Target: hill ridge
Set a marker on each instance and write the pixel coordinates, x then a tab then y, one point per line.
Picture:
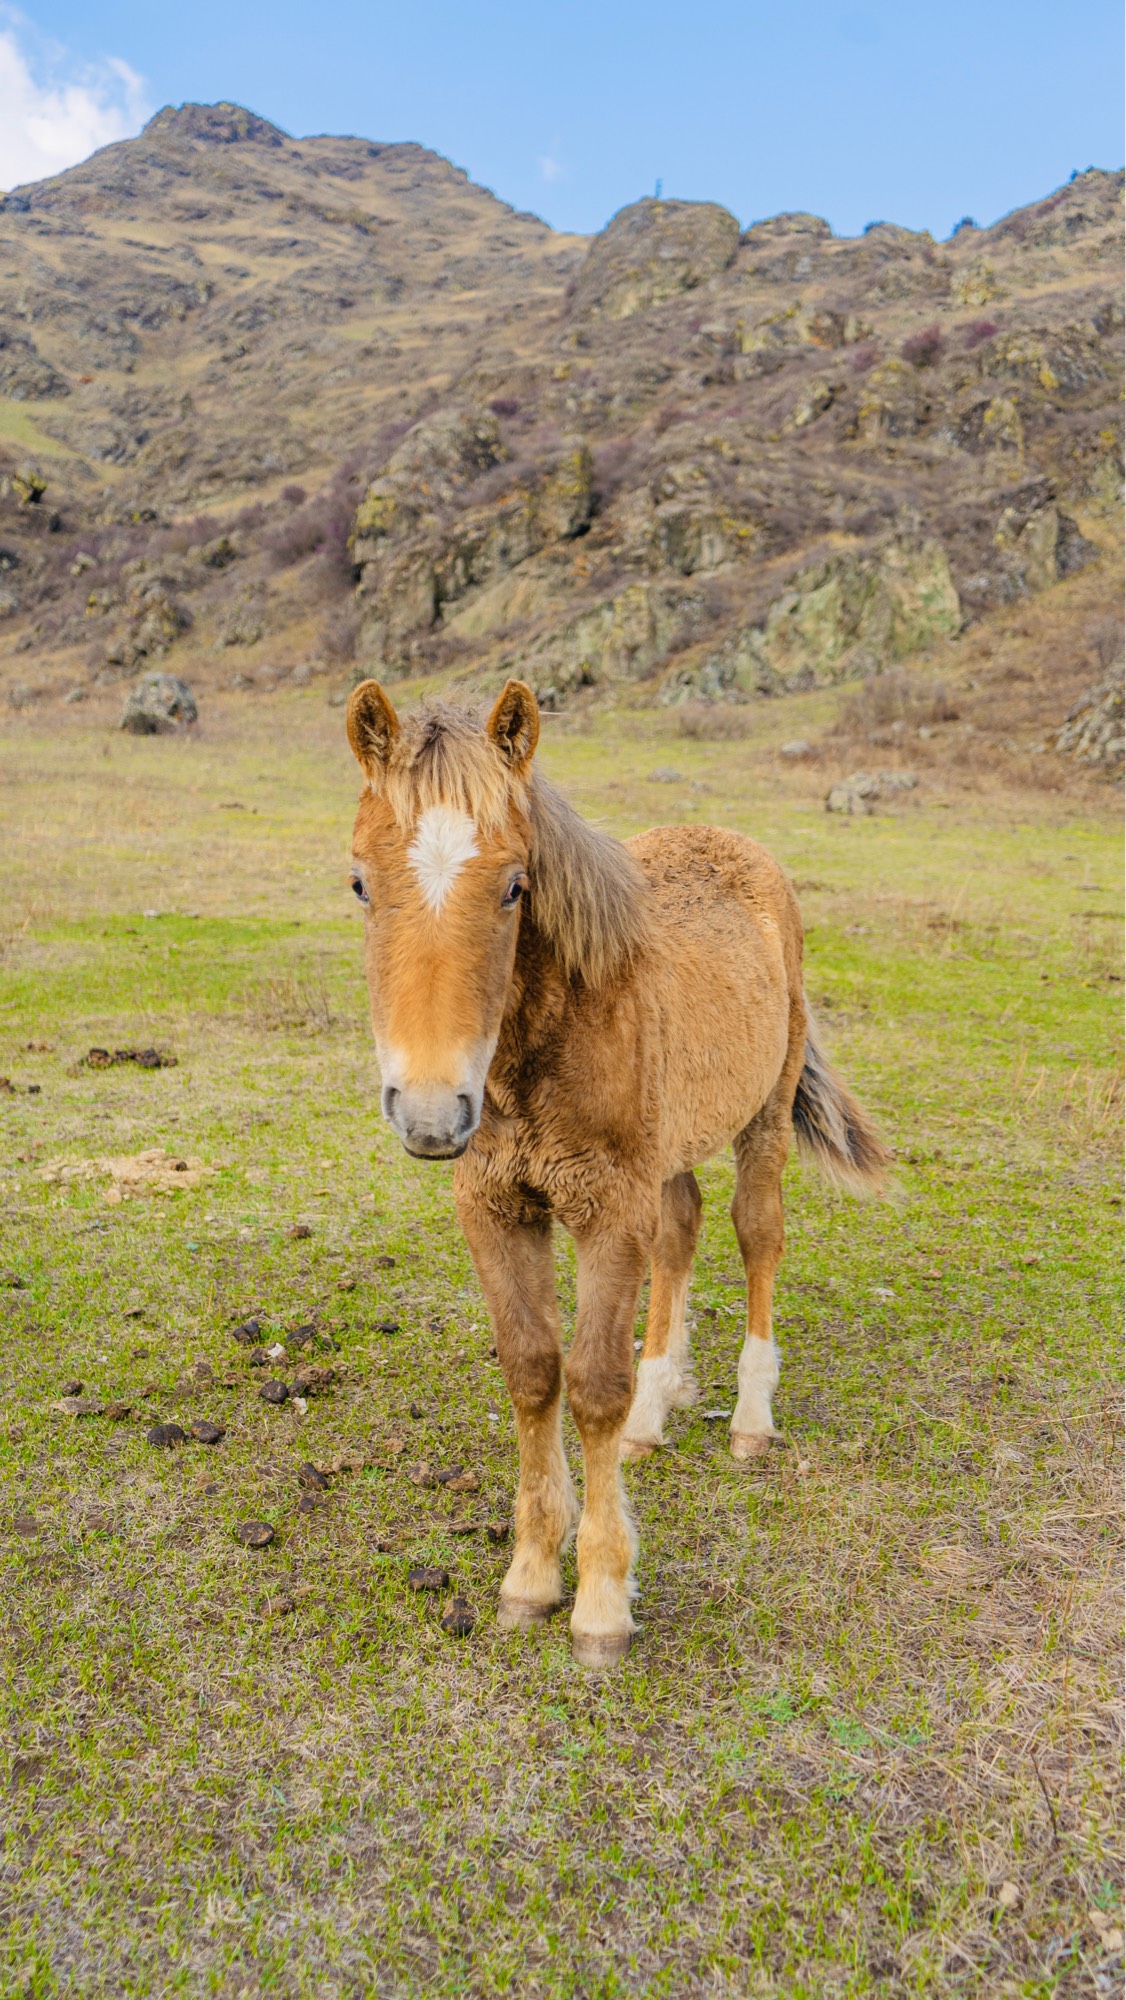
330	399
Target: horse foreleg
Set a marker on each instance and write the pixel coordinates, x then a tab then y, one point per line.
664	1379
518	1278
600	1384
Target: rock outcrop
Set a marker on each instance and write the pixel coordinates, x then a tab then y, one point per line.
397	425
157	705
650	252
1094	731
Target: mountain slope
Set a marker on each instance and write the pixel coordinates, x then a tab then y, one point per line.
326	400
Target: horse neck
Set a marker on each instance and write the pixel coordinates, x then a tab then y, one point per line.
537	1001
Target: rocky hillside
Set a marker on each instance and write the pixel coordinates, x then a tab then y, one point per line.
324	405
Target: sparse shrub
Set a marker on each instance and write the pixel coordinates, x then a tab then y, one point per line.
338	636
713	722
499	480
967	222
294	496
924	348
864	357
670	415
319	528
1105	637
505	406
302	534
613	463
181	536
977	331
250	518
895	697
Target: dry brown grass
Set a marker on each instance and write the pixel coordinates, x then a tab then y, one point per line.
713	722
296	1001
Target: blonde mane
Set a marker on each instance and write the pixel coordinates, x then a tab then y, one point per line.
587	895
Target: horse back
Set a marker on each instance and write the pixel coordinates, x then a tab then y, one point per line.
723	977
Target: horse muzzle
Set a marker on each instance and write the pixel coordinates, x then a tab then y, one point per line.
433	1122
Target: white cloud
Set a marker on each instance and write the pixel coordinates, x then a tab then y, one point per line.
55	109
551	170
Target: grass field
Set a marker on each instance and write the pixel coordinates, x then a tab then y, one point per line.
868	1740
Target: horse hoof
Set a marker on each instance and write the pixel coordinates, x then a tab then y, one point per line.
599	1649
516	1614
743	1445
635	1448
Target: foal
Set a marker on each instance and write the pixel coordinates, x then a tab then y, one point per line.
579	1022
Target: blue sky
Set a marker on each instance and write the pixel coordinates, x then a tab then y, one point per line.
915	112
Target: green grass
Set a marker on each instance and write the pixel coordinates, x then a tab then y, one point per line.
877	1675
18	426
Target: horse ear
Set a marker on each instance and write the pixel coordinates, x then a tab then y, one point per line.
514	724
372	727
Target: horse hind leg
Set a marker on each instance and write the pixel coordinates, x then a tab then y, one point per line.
760	1155
664	1379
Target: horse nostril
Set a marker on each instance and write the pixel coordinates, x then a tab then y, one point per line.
465	1105
390	1099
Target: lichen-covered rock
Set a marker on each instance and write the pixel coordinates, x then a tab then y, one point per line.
159	704
243	625
650	252
800	326
1094	731
862	792
622	638
564	494
854	614
24	375
894	402
408	579
432	466
977	285
156	620
1067	359
815	399
1037	543
690	536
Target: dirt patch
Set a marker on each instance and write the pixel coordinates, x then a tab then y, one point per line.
132	1174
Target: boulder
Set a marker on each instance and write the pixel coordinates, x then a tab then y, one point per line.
159	704
1094	731
652	251
861	792
815	399
1038	544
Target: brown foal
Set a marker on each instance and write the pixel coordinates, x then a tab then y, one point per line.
579	1022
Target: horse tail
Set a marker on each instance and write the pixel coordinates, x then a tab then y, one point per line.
832	1130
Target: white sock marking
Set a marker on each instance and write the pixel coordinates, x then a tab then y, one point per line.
759	1369
445	839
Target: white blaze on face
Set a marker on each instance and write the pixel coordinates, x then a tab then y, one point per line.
445	839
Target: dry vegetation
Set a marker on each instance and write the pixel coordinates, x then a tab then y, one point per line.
318	407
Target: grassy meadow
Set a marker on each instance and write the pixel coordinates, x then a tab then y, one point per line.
867	1742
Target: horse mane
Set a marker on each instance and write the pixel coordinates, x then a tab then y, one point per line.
587	893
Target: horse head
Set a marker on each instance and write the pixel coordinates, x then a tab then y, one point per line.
441	850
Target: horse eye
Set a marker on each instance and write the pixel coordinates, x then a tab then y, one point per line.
512	894
358	889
